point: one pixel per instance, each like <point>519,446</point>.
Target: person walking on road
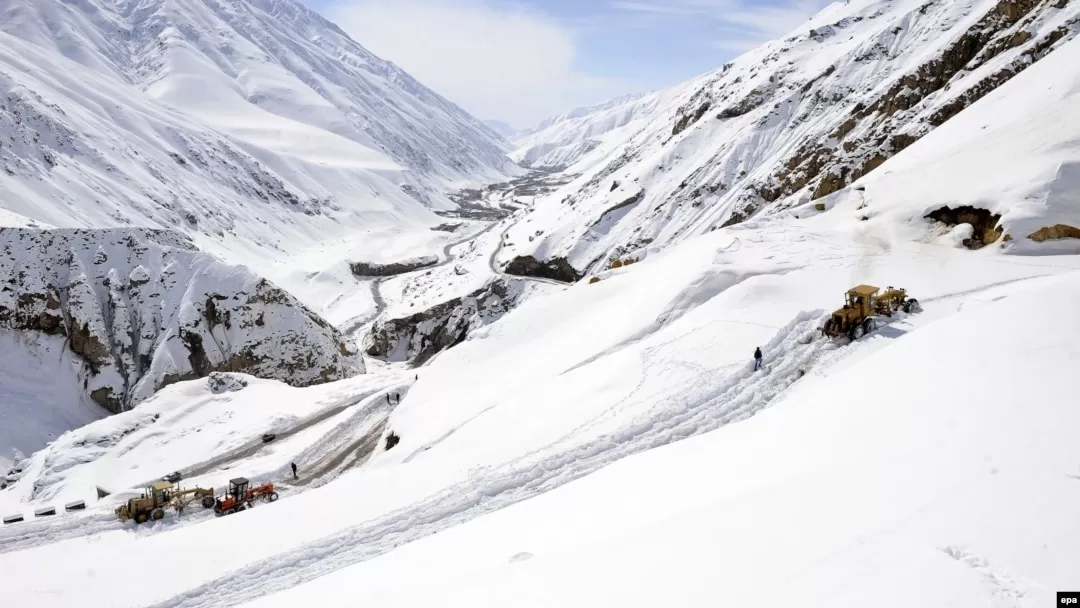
<point>757,358</point>
<point>294,476</point>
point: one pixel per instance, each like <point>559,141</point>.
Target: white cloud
<point>748,23</point>
<point>771,22</point>
<point>505,62</point>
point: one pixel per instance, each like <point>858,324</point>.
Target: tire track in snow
<point>328,466</point>
<point>705,406</point>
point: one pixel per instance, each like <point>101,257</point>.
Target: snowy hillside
<point>570,432</point>
<point>256,127</point>
<point>560,142</point>
<point>127,311</point>
<point>509,441</point>
<point>798,119</point>
<point>201,428</point>
<point>504,130</point>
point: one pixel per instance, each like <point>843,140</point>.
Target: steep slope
<point>256,127</point>
<point>550,398</point>
<point>141,309</point>
<point>795,120</point>
<point>933,493</point>
<point>1006,171</point>
<point>562,142</point>
<point>501,128</point>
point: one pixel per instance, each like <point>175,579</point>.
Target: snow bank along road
<point>343,447</point>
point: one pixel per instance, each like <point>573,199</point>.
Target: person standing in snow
<point>757,358</point>
<point>388,402</point>
<point>294,476</point>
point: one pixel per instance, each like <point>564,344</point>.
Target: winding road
<point>375,285</point>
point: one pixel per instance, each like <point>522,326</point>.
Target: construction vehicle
<point>241,496</point>
<point>863,308</point>
<point>159,496</point>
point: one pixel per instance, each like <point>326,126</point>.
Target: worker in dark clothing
<point>757,358</point>
<point>294,476</point>
<point>388,401</point>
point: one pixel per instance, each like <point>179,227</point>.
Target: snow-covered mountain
<point>504,130</point>
<point>113,315</point>
<point>255,126</point>
<point>254,131</point>
<point>560,142</point>
<point>793,121</point>
<point>611,442</point>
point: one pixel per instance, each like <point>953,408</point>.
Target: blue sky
<point>523,60</point>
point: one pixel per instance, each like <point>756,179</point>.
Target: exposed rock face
<point>418,337</point>
<point>557,269</point>
<point>372,269</point>
<point>986,226</point>
<point>798,119</point>
<point>1059,231</point>
<point>220,382</point>
<point>143,309</point>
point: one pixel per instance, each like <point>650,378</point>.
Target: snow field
<point>560,389</point>
<point>889,479</point>
<point>209,437</point>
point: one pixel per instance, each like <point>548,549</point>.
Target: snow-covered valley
<point>462,401</point>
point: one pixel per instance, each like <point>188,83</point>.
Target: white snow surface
<point>42,395</point>
<point>610,443</point>
<point>887,479</point>
<point>841,93</point>
<point>257,127</point>
<point>203,432</point>
<point>576,140</point>
<point>1015,153</point>
<point>508,440</point>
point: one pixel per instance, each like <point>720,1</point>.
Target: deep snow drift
<point>890,479</point>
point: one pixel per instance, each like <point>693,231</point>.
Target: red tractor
<point>241,496</point>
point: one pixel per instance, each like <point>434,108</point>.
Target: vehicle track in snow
<point>70,525</point>
<point>712,400</point>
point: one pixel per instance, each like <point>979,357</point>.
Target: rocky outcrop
<point>372,269</point>
<point>1058,231</point>
<point>220,382</point>
<point>879,130</point>
<point>143,309</point>
<point>986,226</point>
<point>556,269</point>
<point>419,337</point>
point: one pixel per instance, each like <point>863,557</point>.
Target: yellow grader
<point>159,496</point>
<point>863,307</point>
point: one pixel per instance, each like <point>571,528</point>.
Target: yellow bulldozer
<point>864,305</point>
<point>159,496</point>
